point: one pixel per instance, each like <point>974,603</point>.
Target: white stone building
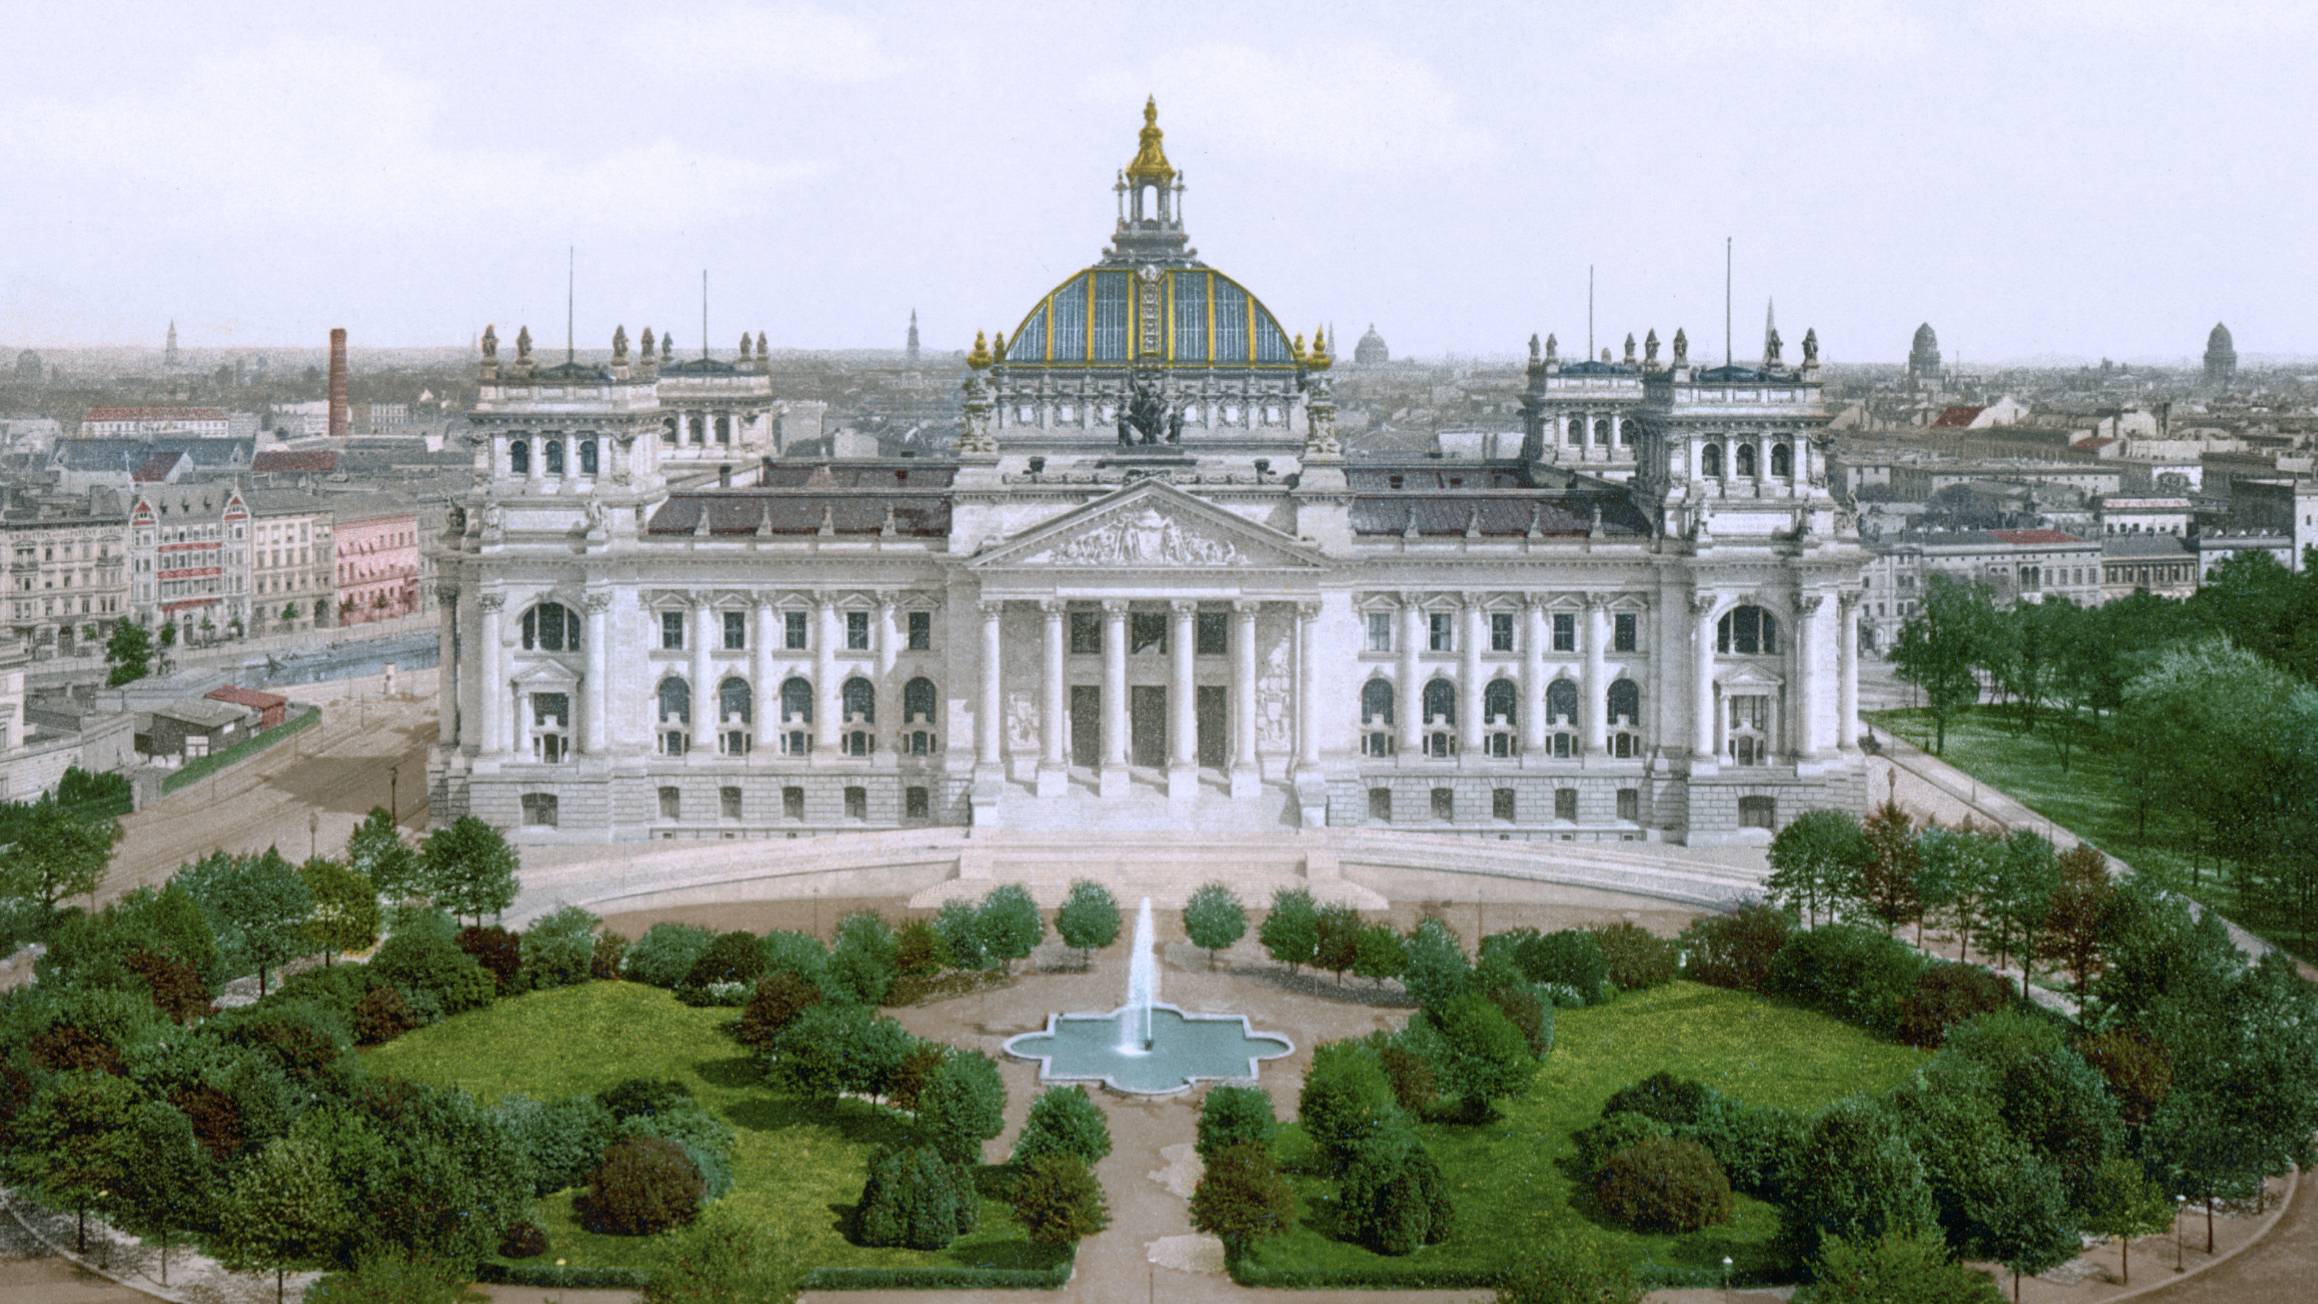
<point>1152,592</point>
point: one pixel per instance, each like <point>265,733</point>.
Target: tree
<point>1336,939</point>
<point>2126,1204</point>
<point>1479,1056</point>
<point>2028,649</point>
<point>1894,1268</point>
<point>165,1185</point>
<point>865,960</point>
<point>1815,862</point>
<point>2071,937</point>
<point>1088,920</point>
<point>1864,1179</point>
<point>1234,1116</point>
<point>1942,647</point>
<point>916,1196</point>
<point>345,914</point>
<point>726,1258</point>
<point>168,636</point>
<point>56,854</point>
<point>1346,1100</point>
<point>2027,876</point>
<point>958,925</point>
<point>1571,1267</point>
<point>258,907</point>
<point>1888,872</point>
<point>283,1211</point>
<point>469,869</point>
<point>1058,1201</point>
<point>1009,923</point>
<point>376,851</point>
<point>962,1105</point>
<point>1434,967</point>
<point>1379,953</point>
<point>1291,928</point>
<point>129,653</point>
<point>1955,869</point>
<point>1064,1120</point>
<point>1392,1193</point>
<point>1241,1197</point>
<point>1214,920</point>
<point>75,1143</point>
<point>832,1048</point>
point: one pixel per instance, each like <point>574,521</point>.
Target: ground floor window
<point>539,809</point>
<point>1565,804</point>
<point>1444,804</point>
<point>728,803</point>
<point>914,804</point>
<point>1380,805</point>
<point>671,804</point>
<point>1630,804</point>
<point>1501,804</point>
<point>857,803</point>
<point>792,803</point>
<point>1757,812</point>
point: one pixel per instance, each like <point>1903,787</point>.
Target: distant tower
<point>338,382</point>
<point>2221,356</point>
<point>913,337</point>
<point>1371,352</point>
<point>1924,359</point>
<point>169,351</point>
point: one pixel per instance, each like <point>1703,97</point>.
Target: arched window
<point>796,701</point>
<point>587,450</point>
<point>1625,702</point>
<point>668,430</point>
<point>1744,462</point>
<point>1747,631</point>
<point>1440,702</point>
<point>1601,432</point>
<point>734,704</point>
<point>917,700</point>
<point>1376,718</point>
<point>1710,461</point>
<point>519,458</point>
<point>1561,701</point>
<point>1497,702</point>
<point>555,457</point>
<point>859,697</point>
<point>723,428</point>
<point>1782,461</point>
<point>1577,430</point>
<point>551,627</point>
<point>675,716</point>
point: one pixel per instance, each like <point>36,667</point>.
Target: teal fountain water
<point>1147,1047</point>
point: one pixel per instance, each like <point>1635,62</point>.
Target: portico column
<point>1412,703</point>
<point>1245,771</point>
<point>1469,640</point>
<point>1308,685</point>
<point>447,656</point>
<point>828,700</point>
<point>1182,708</point>
<point>1809,687</point>
<point>1053,702</point>
<point>704,694</point>
<point>1593,712</point>
<point>595,633</point>
<point>1533,677</point>
<point>988,733</point>
<point>494,695</point>
<point>1702,677</point>
<point>1847,677</point>
<point>888,654</point>
<point>765,700</point>
<point>1112,779</point>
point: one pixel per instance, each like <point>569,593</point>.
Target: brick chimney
<point>338,382</point>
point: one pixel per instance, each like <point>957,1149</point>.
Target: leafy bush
<point>1433,963</point>
<point>919,951</point>
<point>1064,1121</point>
<point>1057,1200</point>
<point>915,1198</point>
<point>1676,1102</point>
<point>1290,932</point>
<point>1009,923</point>
<point>1415,1087</point>
<point>305,1039</point>
<point>499,952</point>
<point>1856,974</point>
<point>381,1016</point>
<point>1664,1184</point>
<point>422,957</point>
<point>604,960</point>
<point>778,999</point>
<point>1241,1197</point>
<point>645,1185</point>
<point>1570,1267</point>
<point>1638,958</point>
<point>1896,1268</point>
<point>1529,1014</point>
<point>1736,950</point>
<point>639,1097</point>
<point>1379,953</point>
<point>664,954</point>
<point>1863,1180</point>
<point>864,962</point>
<point>707,1141</point>
<point>563,1139</point>
<point>1393,1195</point>
<point>559,949</point>
<point>960,928</point>
<point>522,1240</point>
<point>176,987</point>
<point>1945,995</point>
<point>1757,1145</point>
<point>1234,1116</point>
<point>1572,957</point>
<point>1614,1131</point>
<point>734,957</point>
<point>1346,1099</point>
<point>962,1105</point>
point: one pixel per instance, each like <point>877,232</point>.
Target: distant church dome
<point>1924,356</point>
<point>1370,352</point>
<point>1927,340</point>
<point>2221,356</point>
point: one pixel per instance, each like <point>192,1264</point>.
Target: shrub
<point>422,957</point>
<point>1346,1099</point>
<point>1336,939</point>
<point>67,1047</point>
<point>176,987</point>
<point>381,1016</point>
<point>645,1185</point>
<point>1234,1116</point>
<point>559,949</point>
<point>498,951</point>
<point>1757,1145</point>
<point>915,1198</point>
<point>1736,950</point>
<point>1477,1055</point>
<point>919,951</point>
<point>1379,953</point>
<point>665,954</point>
<point>1664,1184</point>
<point>1863,1180</point>
<point>1529,1015</point>
<point>1638,958</point>
<point>862,965</point>
<point>1945,995</point>
<point>962,1105</point>
<point>1857,974</point>
<point>1393,1195</point>
<point>707,1140</point>
<point>1572,957</point>
<point>563,1139</point>
<point>1895,1268</point>
<point>960,928</point>
<point>1676,1102</point>
<point>305,1040</point>
<point>1241,1197</point>
<point>1614,1131</point>
<point>1414,1085</point>
<point>1058,1201</point>
<point>604,960</point>
<point>734,957</point>
<point>2137,1069</point>
<point>1009,923</point>
<point>1064,1121</point>
<point>916,1068</point>
<point>778,999</point>
<point>1433,963</point>
<point>1570,1267</point>
<point>522,1240</point>
<point>636,1097</point>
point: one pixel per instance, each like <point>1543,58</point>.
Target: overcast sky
<point>2037,178</point>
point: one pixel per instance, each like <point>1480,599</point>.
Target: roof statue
<point>490,341</point>
<point>1533,350</point>
<point>1150,158</point>
<point>668,346</point>
<point>1552,347</point>
<point>1811,346</point>
<point>1629,348</point>
<point>1771,347</point>
<point>523,344</point>
<point>747,346</point>
<point>619,344</point>
<point>647,342</point>
<point>1650,347</point>
<point>762,351</point>
<point>1681,348</point>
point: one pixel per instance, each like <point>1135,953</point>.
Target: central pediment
<point>1150,526</point>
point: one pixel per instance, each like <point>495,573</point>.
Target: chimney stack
<point>338,382</point>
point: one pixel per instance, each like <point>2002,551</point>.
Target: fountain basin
<point>1185,1049</point>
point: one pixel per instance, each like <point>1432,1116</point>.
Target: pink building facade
<point>378,562</point>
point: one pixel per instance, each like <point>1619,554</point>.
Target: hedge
<point>1650,1276</point>
<point>948,1277</point>
<point>551,1277</point>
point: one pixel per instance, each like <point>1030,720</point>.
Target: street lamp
<point>313,834</point>
<point>1726,1272</point>
<point>393,794</point>
<point>2179,1203</point>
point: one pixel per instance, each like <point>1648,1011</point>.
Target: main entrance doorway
<point>1147,725</point>
<point>1086,725</point>
<point>1212,733</point>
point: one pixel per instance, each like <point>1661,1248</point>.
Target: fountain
<point>1146,1046</point>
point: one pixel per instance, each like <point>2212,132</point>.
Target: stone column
<point>1411,694</point>
<point>1847,676</point>
<point>1182,702</point>
<point>494,697</point>
<point>1702,677</point>
<point>595,635</point>
<point>828,696</point>
<point>887,639</point>
<point>1054,702</point>
<point>1308,685</point>
<point>766,693</point>
<point>989,727</point>
<point>447,656</point>
<point>1246,771</point>
<point>1533,677</point>
<point>704,695</point>
<point>1469,640</point>
<point>1594,711</point>
<point>1809,689</point>
<point>1112,779</point>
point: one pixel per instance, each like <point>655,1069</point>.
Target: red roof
<point>2091,444</point>
<point>166,412</point>
<point>156,467</point>
<point>248,697</point>
<point>2036,536</point>
<point>1956,418</point>
<point>319,461</point>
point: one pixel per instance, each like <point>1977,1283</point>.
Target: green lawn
<point>1507,1178</point>
<point>796,1164</point>
<point>2091,798</point>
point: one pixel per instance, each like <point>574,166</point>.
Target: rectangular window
<point>1565,631</point>
<point>792,803</point>
<point>857,631</point>
<point>793,630</point>
<point>728,803</point>
<point>1501,631</point>
<point>1501,804</point>
<point>1443,631</point>
<point>1623,631</point>
<point>857,803</point>
<point>671,804</point>
<point>1757,812</point>
<point>672,630</point>
<point>1086,633</point>
<point>539,809</point>
<point>921,631</point>
<point>1147,632</point>
<point>1212,638</point>
<point>1380,805</point>
<point>1444,804</point>
<point>1565,804</point>
<point>1380,631</point>
<point>736,630</point>
<point>913,803</point>
<point>1630,805</point>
